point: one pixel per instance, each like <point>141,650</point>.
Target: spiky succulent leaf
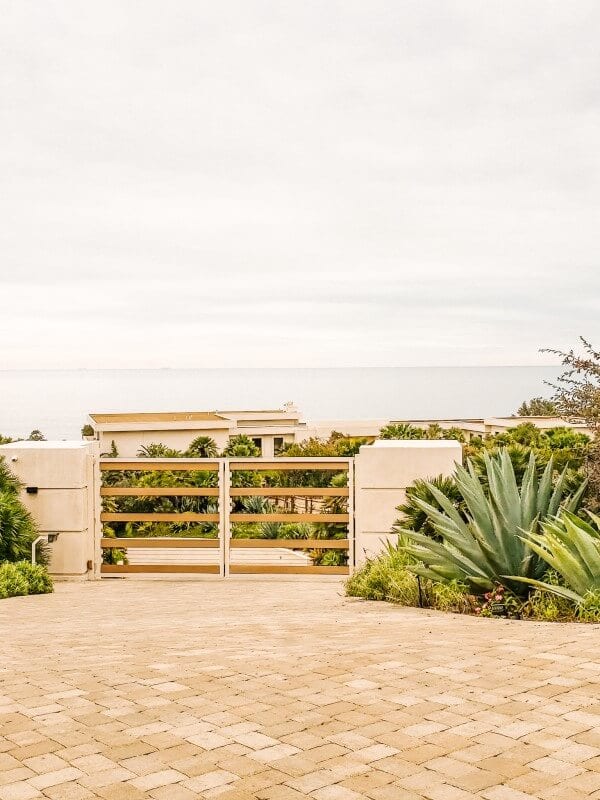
<point>493,536</point>
<point>570,546</point>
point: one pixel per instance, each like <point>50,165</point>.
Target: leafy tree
<point>5,439</point>
<point>87,430</point>
<point>577,398</point>
<point>567,447</point>
<point>36,436</point>
<point>538,407</point>
<point>347,446</point>
<point>454,433</point>
<point>577,390</point>
<point>337,445</point>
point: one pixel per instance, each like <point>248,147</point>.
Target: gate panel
<point>273,537</point>
<point>162,554</point>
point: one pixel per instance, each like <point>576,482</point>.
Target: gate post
<point>61,491</point>
<point>384,470</point>
<point>225,507</point>
<point>351,530</point>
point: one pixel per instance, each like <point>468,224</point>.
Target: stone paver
<point>280,690</point>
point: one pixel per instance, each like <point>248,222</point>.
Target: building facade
<point>270,430</point>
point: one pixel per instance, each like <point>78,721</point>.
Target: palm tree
<point>8,482</point>
<point>413,515</point>
<point>402,430</point>
<point>202,447</point>
<point>241,447</point>
<point>17,528</point>
<point>158,450</point>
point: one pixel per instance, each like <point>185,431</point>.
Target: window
<point>277,444</point>
<point>258,442</point>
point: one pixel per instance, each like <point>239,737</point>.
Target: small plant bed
<point>490,545</point>
<point>22,578</point>
<point>390,577</point>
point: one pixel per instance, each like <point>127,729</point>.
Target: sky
<point>296,184</point>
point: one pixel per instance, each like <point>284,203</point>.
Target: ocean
<point>58,401</point>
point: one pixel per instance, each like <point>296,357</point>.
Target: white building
<point>271,430</point>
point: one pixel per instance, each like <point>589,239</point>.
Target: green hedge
<point>22,578</point>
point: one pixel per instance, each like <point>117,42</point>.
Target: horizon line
<point>281,369</point>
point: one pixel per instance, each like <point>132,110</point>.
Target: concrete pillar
<point>268,447</point>
<point>383,472</point>
<point>63,479</point>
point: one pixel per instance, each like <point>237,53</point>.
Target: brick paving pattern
<point>286,690</point>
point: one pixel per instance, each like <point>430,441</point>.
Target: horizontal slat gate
<point>227,516</point>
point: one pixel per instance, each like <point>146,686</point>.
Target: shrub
<point>547,606</point>
<point>385,578</point>
<point>17,528</point>
<point>38,579</point>
<point>451,596</point>
<point>588,609</point>
<point>23,578</point>
<point>388,577</point>
<point>13,581</point>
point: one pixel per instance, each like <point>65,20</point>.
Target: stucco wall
<point>383,471</point>
<point>129,442</point>
<point>66,502</point>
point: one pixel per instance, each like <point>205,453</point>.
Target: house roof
<point>166,416</point>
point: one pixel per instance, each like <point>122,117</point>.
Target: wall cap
<point>412,444</point>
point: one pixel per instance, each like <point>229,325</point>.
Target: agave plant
<point>484,542</point>
<point>570,546</point>
<point>255,504</point>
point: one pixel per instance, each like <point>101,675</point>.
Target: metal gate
<point>227,516</point>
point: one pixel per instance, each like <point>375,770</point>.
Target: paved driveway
<point>286,690</point>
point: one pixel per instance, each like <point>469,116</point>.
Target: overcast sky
<point>297,183</point>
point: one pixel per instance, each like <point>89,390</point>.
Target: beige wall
<point>67,478</point>
<point>129,442</point>
<point>383,471</point>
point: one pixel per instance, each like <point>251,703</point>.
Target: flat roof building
<point>271,430</point>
